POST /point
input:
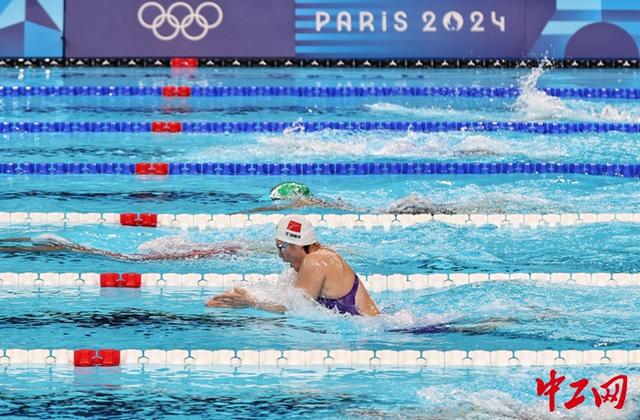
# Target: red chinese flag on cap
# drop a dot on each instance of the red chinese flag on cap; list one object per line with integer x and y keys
{"x": 294, "y": 226}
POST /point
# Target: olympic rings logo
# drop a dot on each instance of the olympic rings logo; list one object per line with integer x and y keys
{"x": 180, "y": 25}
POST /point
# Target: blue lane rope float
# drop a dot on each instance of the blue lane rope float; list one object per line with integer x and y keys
{"x": 395, "y": 168}
{"x": 278, "y": 127}
{"x": 316, "y": 91}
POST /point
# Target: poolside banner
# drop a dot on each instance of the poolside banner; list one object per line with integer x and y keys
{"x": 31, "y": 28}
{"x": 402, "y": 29}
{"x": 164, "y": 28}
{"x": 465, "y": 28}
{"x": 583, "y": 28}
{"x": 409, "y": 28}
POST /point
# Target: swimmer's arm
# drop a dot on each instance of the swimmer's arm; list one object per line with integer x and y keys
{"x": 239, "y": 298}
{"x": 15, "y": 240}
{"x": 267, "y": 306}
{"x": 309, "y": 281}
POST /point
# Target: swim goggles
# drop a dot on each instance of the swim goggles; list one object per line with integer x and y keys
{"x": 281, "y": 246}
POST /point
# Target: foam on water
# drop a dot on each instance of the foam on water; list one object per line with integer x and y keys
{"x": 339, "y": 144}
{"x": 532, "y": 104}
{"x": 448, "y": 112}
{"x": 535, "y": 105}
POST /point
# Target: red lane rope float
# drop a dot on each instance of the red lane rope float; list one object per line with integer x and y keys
{"x": 180, "y": 62}
{"x": 182, "y": 91}
{"x": 144, "y": 219}
{"x": 152, "y": 168}
{"x": 166, "y": 127}
{"x": 89, "y": 357}
{"x": 127, "y": 280}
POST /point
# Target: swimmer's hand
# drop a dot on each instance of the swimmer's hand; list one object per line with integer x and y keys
{"x": 239, "y": 298}
{"x": 234, "y": 298}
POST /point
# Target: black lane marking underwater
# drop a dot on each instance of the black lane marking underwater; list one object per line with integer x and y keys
{"x": 135, "y": 112}
{"x": 109, "y": 400}
{"x": 489, "y": 327}
{"x": 207, "y": 197}
{"x": 133, "y": 317}
{"x": 77, "y": 152}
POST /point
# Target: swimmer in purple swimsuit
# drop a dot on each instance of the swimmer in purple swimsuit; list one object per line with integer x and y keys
{"x": 322, "y": 274}
{"x": 346, "y": 304}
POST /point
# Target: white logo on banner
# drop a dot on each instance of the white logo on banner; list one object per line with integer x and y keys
{"x": 180, "y": 25}
{"x": 453, "y": 21}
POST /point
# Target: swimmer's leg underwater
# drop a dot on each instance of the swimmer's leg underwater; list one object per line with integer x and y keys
{"x": 15, "y": 240}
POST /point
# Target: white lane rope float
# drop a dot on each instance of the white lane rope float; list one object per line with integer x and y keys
{"x": 316, "y": 357}
{"x": 373, "y": 282}
{"x": 367, "y": 221}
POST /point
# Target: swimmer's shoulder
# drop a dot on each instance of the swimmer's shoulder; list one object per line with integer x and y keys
{"x": 322, "y": 250}
{"x": 323, "y": 255}
{"x": 316, "y": 259}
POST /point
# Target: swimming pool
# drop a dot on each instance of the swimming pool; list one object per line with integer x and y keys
{"x": 513, "y": 271}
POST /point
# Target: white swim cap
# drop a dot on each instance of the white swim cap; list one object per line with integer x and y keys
{"x": 295, "y": 229}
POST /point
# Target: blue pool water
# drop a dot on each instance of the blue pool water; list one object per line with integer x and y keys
{"x": 312, "y": 393}
{"x": 474, "y": 317}
{"x": 516, "y": 315}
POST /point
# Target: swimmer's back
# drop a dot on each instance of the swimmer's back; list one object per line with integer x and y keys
{"x": 338, "y": 279}
{"x": 49, "y": 239}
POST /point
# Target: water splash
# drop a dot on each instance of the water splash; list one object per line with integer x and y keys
{"x": 296, "y": 127}
{"x": 616, "y": 114}
{"x": 448, "y": 113}
{"x": 403, "y": 320}
{"x": 284, "y": 292}
{"x": 329, "y": 143}
{"x": 534, "y": 104}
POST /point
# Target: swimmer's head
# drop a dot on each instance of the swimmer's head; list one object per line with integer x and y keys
{"x": 294, "y": 237}
{"x": 289, "y": 190}
{"x": 295, "y": 229}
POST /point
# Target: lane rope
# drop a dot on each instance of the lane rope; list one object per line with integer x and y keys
{"x": 373, "y": 282}
{"x": 313, "y": 126}
{"x": 279, "y": 169}
{"x": 314, "y": 91}
{"x": 316, "y": 357}
{"x": 367, "y": 221}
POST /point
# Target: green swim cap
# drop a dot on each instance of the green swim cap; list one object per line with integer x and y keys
{"x": 289, "y": 190}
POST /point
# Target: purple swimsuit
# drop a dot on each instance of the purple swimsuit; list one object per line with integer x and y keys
{"x": 344, "y": 305}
